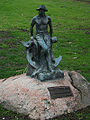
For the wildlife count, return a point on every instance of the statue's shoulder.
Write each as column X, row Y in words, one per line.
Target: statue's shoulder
column 49, row 18
column 34, row 18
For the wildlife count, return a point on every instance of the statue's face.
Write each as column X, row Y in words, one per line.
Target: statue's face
column 41, row 12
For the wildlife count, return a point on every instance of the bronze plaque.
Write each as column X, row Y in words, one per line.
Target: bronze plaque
column 60, row 92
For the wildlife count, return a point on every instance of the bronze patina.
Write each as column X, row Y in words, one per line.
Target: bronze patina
column 41, row 62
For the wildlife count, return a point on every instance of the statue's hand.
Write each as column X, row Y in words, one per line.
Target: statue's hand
column 51, row 39
column 54, row 39
column 31, row 38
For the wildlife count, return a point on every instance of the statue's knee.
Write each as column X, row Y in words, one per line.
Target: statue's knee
column 45, row 49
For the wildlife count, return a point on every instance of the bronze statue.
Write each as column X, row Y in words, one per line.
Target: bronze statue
column 41, row 62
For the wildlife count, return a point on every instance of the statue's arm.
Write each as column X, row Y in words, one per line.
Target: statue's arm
column 50, row 25
column 32, row 25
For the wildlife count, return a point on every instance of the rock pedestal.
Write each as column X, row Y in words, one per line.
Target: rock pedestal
column 32, row 97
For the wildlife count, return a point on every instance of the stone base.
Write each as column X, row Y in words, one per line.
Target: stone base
column 44, row 74
column 31, row 97
column 50, row 75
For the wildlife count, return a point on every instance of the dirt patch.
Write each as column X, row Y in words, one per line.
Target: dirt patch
column 88, row 33
column 55, row 26
column 83, row 113
column 87, row 30
column 5, row 42
column 12, row 44
column 4, row 35
column 8, row 39
column 83, row 29
column 87, row 1
column 2, row 57
column 23, row 30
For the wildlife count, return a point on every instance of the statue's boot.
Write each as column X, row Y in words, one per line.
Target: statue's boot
column 53, row 58
column 49, row 62
column 50, row 69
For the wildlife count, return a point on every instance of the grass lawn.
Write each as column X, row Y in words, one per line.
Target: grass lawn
column 70, row 19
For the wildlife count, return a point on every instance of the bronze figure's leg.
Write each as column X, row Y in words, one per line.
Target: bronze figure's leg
column 48, row 56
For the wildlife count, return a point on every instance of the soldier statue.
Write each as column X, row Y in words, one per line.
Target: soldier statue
column 41, row 63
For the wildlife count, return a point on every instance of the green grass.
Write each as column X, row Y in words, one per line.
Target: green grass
column 9, row 115
column 79, row 115
column 70, row 21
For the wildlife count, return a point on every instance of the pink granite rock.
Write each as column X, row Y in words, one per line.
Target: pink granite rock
column 82, row 85
column 31, row 97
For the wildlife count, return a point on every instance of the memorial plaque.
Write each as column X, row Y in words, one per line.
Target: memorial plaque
column 60, row 92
